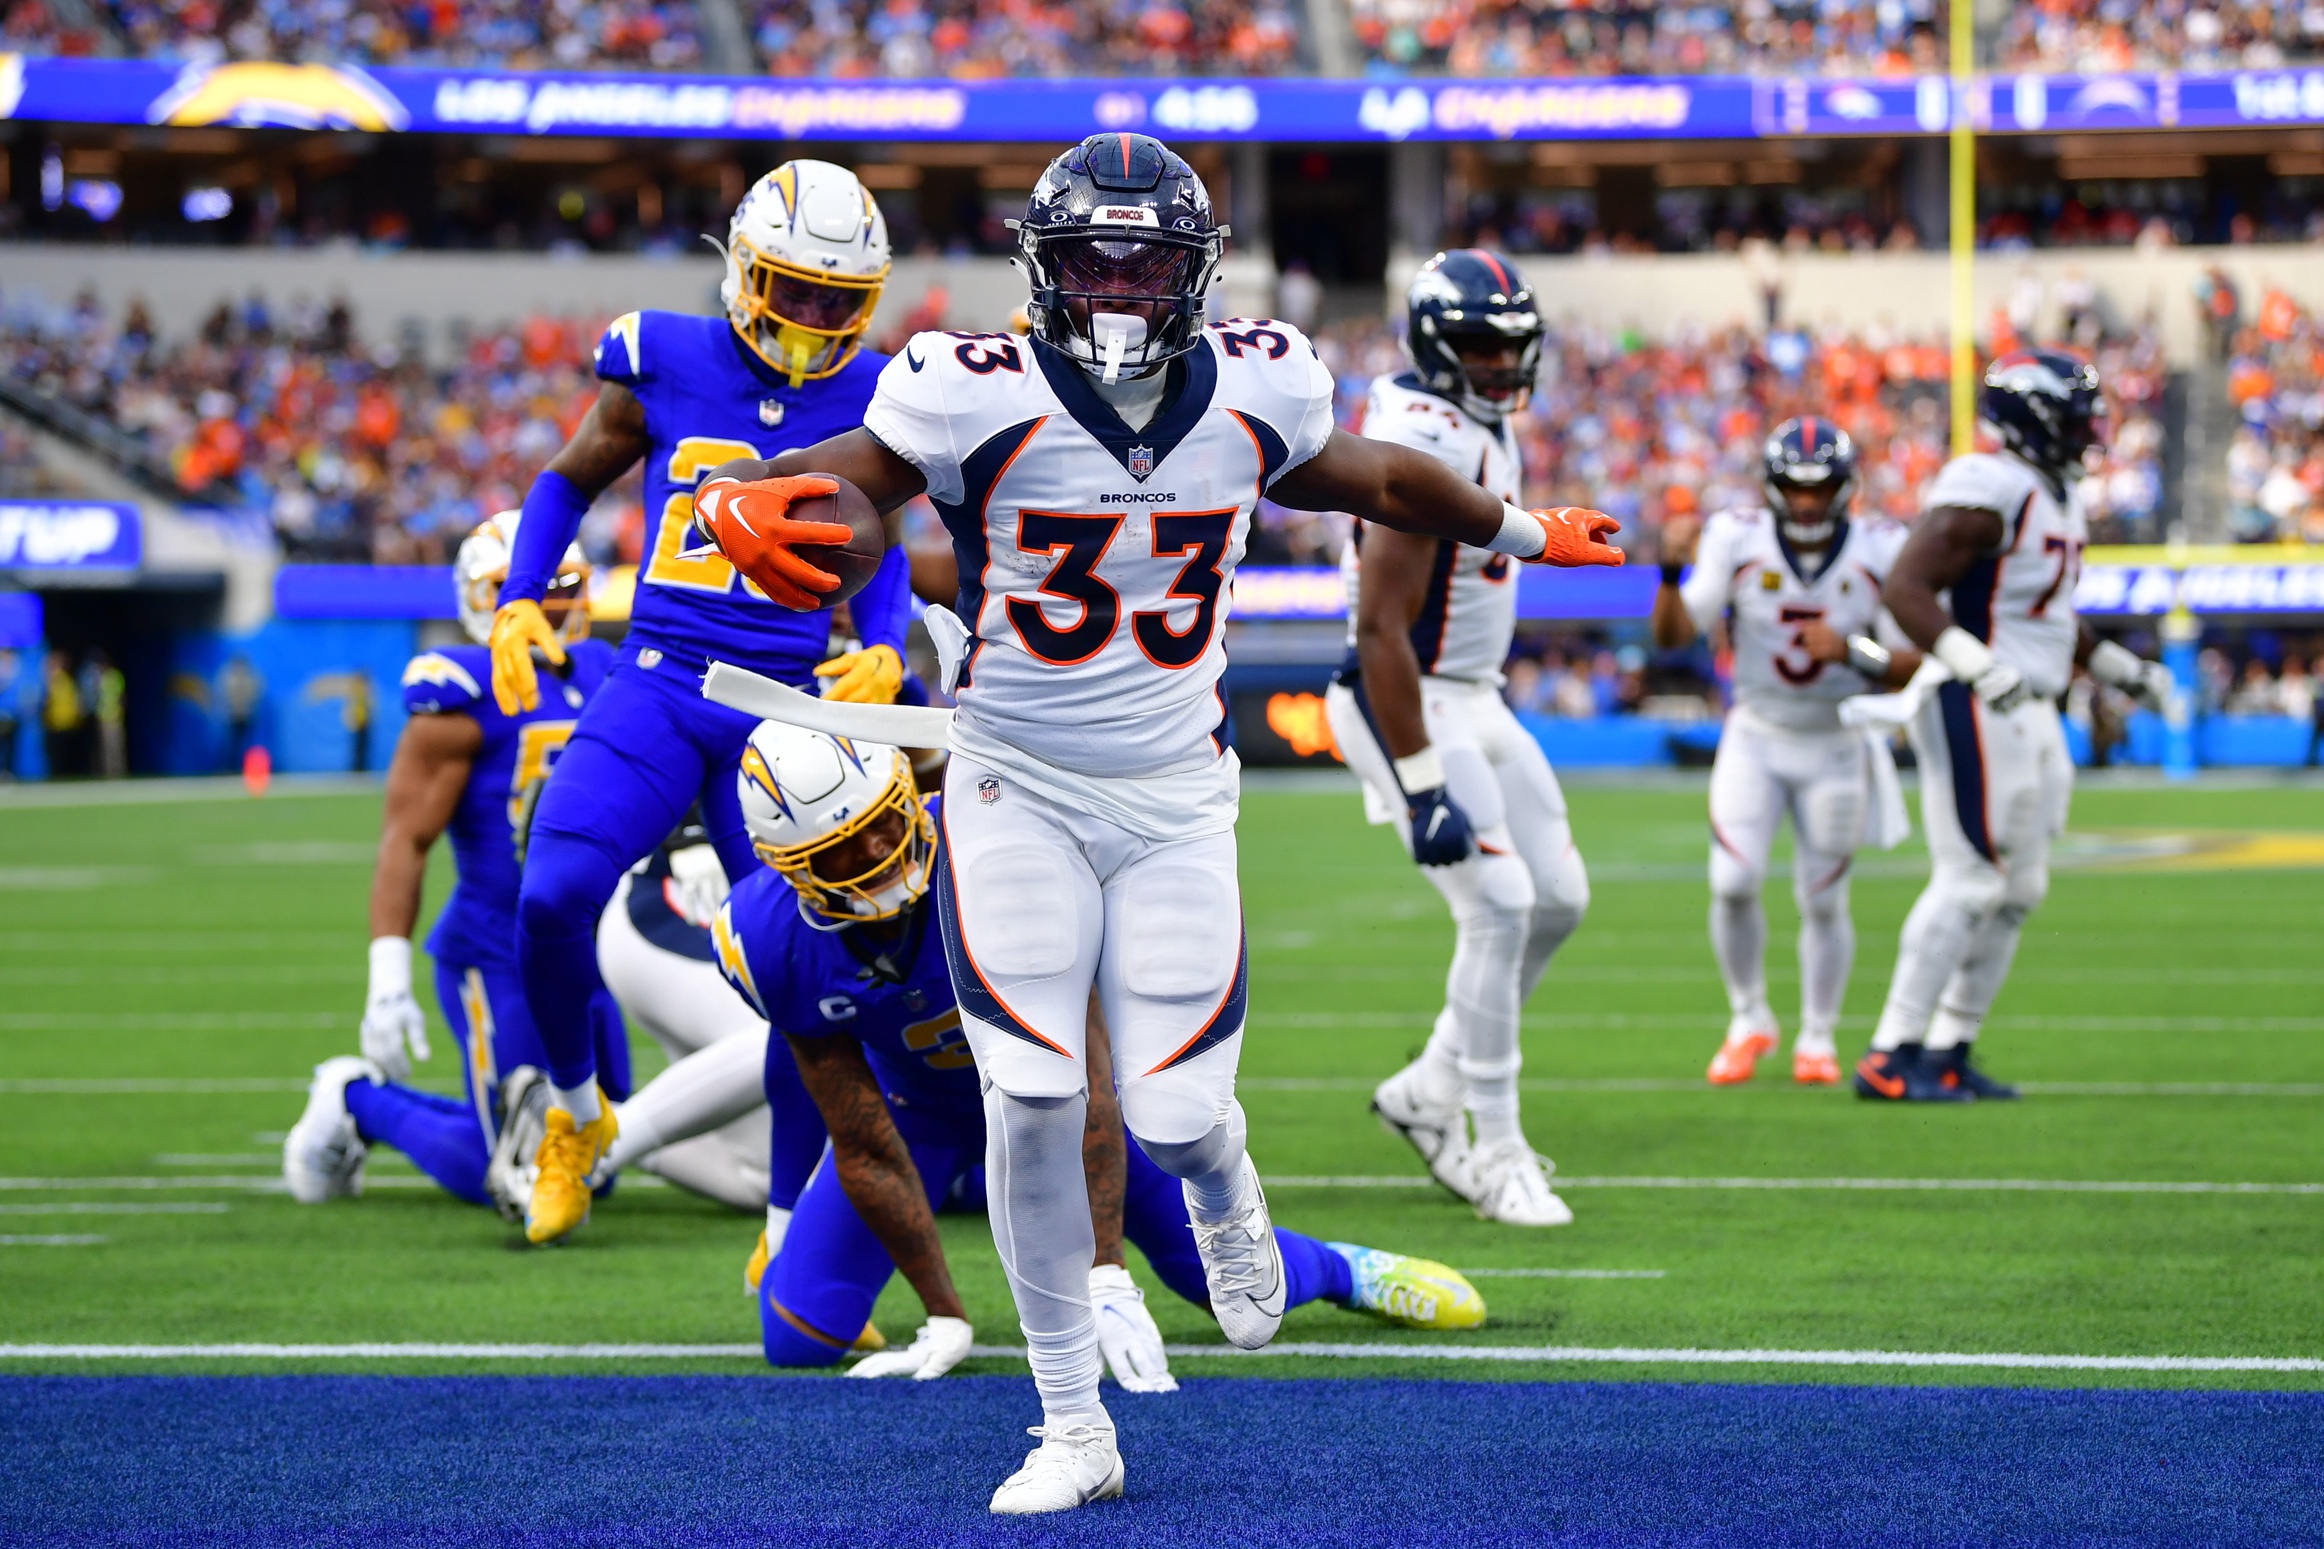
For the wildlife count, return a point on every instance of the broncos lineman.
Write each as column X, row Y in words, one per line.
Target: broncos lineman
column 1417, row 710
column 461, row 766
column 1098, row 479
column 831, row 940
column 1985, row 584
column 806, row 254
column 1800, row 585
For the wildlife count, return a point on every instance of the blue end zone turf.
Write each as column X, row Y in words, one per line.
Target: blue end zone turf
column 572, row 1462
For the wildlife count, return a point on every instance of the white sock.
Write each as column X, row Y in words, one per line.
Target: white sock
column 1037, row 1196
column 580, row 1101
column 1827, row 951
column 1739, row 942
column 1970, row 993
column 1937, row 937
column 706, row 1090
column 1439, row 1066
column 778, row 1224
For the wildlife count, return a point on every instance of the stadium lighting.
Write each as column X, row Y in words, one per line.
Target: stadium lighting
column 99, row 197
column 207, row 204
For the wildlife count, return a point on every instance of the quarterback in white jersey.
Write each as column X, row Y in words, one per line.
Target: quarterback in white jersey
column 1986, row 585
column 1798, row 583
column 1417, row 712
column 1098, row 479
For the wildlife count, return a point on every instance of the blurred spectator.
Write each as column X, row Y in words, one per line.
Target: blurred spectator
column 11, row 696
column 982, row 39
column 2275, row 463
column 465, row 34
column 64, row 718
column 1629, row 37
column 1299, row 297
column 2105, row 36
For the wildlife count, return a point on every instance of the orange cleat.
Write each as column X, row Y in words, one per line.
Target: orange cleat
column 1738, row 1057
column 1821, row 1068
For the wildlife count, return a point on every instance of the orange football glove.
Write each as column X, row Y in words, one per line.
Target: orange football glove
column 1576, row 535
column 748, row 524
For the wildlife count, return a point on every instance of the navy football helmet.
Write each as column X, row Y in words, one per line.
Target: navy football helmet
column 1120, row 247
column 1468, row 303
column 1808, row 453
column 2047, row 408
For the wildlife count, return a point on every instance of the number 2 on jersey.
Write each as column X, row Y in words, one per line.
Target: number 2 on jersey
column 1202, row 536
column 708, row 570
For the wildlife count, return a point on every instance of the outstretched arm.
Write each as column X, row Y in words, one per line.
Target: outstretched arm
column 1411, row 491
column 875, row 1167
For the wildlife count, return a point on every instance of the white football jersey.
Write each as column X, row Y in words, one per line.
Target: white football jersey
column 1096, row 561
column 1469, row 615
column 1744, row 569
column 2020, row 598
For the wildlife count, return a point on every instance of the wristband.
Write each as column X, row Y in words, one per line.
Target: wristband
column 1869, row 657
column 1521, row 536
column 2115, row 665
column 1421, row 771
column 1672, row 574
column 1964, row 655
column 391, row 967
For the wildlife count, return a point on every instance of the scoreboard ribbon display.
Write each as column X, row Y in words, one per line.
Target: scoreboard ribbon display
column 391, row 99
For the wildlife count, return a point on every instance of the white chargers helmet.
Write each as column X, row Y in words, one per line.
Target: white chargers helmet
column 840, row 820
column 806, row 255
column 482, row 565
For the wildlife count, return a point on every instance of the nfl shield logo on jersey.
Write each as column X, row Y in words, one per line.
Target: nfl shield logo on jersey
column 1141, row 461
column 770, row 412
column 988, row 790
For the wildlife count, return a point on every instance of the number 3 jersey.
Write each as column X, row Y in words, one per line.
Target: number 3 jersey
column 1743, row 568
column 478, row 925
column 2019, row 599
column 1468, row 615
column 708, row 401
column 1095, row 559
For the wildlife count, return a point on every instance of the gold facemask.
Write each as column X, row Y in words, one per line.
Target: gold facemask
column 803, row 322
column 891, row 885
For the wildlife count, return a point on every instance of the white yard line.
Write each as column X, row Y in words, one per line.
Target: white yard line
column 49, row 1240
column 1564, row 1274
column 93, row 1208
column 1385, row 1351
column 1678, row 1084
column 1973, row 1185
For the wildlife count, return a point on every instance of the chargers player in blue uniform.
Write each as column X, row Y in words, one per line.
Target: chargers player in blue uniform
column 833, row 942
column 806, row 255
column 466, row 769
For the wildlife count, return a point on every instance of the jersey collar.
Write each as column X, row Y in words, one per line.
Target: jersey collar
column 1791, row 555
column 1193, row 380
column 894, row 965
column 756, row 367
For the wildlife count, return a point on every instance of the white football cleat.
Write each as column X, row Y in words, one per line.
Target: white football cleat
column 1439, row 1132
column 1513, row 1187
column 322, row 1156
column 524, row 1117
column 1241, row 1263
column 1074, row 1465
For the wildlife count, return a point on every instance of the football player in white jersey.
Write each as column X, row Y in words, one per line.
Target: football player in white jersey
column 1985, row 585
column 1799, row 584
column 1417, row 712
column 1098, row 478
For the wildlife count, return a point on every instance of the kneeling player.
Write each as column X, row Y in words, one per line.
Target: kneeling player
column 1799, row 584
column 465, row 767
column 835, row 945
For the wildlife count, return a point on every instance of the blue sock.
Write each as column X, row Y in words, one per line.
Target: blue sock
column 1313, row 1272
column 438, row 1133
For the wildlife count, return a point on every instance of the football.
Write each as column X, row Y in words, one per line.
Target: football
column 855, row 560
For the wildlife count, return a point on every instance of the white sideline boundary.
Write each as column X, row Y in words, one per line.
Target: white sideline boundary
column 1940, row 1185
column 1403, row 1351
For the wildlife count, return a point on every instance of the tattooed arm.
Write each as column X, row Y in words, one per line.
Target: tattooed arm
column 876, row 1168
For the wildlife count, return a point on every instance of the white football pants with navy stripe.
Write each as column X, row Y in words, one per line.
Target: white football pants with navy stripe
column 1039, row 902
column 1515, row 900
column 1823, row 781
column 1994, row 794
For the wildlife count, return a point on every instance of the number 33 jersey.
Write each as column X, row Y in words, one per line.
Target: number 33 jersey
column 1744, row 569
column 1095, row 560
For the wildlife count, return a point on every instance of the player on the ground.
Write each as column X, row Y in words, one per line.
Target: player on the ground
column 806, row 255
column 1417, row 712
column 1098, row 479
column 463, row 767
column 1985, row 585
column 832, row 941
column 1798, row 583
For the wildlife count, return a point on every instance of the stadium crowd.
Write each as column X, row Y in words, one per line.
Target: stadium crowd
column 1630, row 37
column 984, row 39
column 2275, row 464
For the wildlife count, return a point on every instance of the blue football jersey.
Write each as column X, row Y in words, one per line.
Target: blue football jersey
column 811, row 983
column 708, row 401
column 478, row 925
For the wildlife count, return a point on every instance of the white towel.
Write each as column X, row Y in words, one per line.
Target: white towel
column 950, row 637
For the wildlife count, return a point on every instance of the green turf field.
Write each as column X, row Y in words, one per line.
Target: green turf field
column 221, row 941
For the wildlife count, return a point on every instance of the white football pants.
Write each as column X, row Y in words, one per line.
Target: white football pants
column 1514, row 901
column 1823, row 781
column 702, row 1123
column 1039, row 901
column 1994, row 793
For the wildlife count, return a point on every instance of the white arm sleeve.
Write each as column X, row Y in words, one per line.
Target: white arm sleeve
column 1707, row 591
column 907, row 414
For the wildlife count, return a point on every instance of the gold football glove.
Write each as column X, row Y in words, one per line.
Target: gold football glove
column 869, row 677
column 518, row 629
